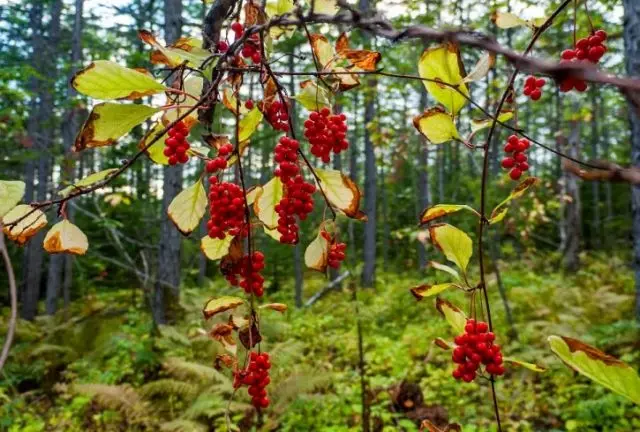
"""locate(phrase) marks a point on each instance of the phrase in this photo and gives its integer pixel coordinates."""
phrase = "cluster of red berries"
(220, 162)
(297, 201)
(516, 162)
(337, 254)
(256, 377)
(226, 209)
(176, 144)
(286, 156)
(587, 49)
(533, 87)
(326, 132)
(278, 115)
(474, 347)
(251, 281)
(250, 49)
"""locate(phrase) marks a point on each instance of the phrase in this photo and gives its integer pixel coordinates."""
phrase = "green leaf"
(445, 268)
(454, 243)
(325, 7)
(87, 182)
(155, 151)
(313, 97)
(442, 63)
(425, 290)
(454, 316)
(341, 192)
(531, 366)
(104, 79)
(220, 304)
(500, 211)
(188, 207)
(110, 121)
(277, 8)
(477, 125)
(249, 124)
(214, 248)
(602, 368)
(436, 125)
(11, 192)
(266, 201)
(440, 210)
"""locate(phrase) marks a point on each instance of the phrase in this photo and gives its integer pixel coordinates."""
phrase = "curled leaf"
(477, 125)
(440, 210)
(500, 211)
(66, 237)
(30, 222)
(442, 66)
(220, 304)
(445, 268)
(482, 68)
(425, 290)
(531, 366)
(505, 20)
(341, 192)
(454, 316)
(266, 200)
(317, 253)
(436, 125)
(187, 50)
(278, 307)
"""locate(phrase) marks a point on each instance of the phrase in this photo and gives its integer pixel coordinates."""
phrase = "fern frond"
(206, 405)
(121, 398)
(184, 426)
(168, 387)
(186, 370)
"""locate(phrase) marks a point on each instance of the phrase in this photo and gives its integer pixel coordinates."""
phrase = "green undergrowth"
(106, 369)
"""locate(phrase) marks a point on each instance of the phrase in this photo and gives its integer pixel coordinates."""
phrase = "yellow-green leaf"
(426, 290)
(454, 316)
(27, 226)
(322, 50)
(442, 63)
(155, 151)
(477, 125)
(266, 201)
(110, 121)
(531, 366)
(253, 193)
(184, 49)
(273, 233)
(249, 124)
(277, 8)
(87, 182)
(602, 368)
(220, 304)
(454, 243)
(317, 253)
(278, 307)
(341, 191)
(436, 125)
(11, 192)
(505, 20)
(313, 97)
(440, 210)
(104, 79)
(214, 248)
(188, 207)
(326, 7)
(500, 211)
(482, 68)
(445, 268)
(66, 237)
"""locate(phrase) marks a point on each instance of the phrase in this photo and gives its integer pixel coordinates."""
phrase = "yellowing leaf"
(425, 290)
(108, 122)
(341, 192)
(347, 80)
(442, 63)
(11, 192)
(477, 125)
(454, 316)
(104, 79)
(253, 193)
(278, 307)
(266, 200)
(273, 233)
(531, 366)
(317, 253)
(185, 49)
(500, 211)
(188, 207)
(325, 7)
(27, 226)
(217, 305)
(445, 268)
(249, 124)
(322, 50)
(155, 151)
(440, 210)
(87, 182)
(66, 237)
(362, 59)
(214, 248)
(482, 68)
(506, 20)
(454, 243)
(313, 97)
(277, 8)
(602, 368)
(436, 125)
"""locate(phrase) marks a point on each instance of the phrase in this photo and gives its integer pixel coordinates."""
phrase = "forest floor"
(106, 370)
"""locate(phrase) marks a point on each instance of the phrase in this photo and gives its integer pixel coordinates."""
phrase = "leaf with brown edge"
(477, 125)
(441, 65)
(214, 248)
(313, 97)
(325, 7)
(87, 182)
(531, 366)
(445, 268)
(11, 192)
(188, 207)
(249, 124)
(316, 255)
(482, 68)
(223, 333)
(65, 237)
(266, 200)
(341, 191)
(110, 121)
(104, 79)
(155, 150)
(278, 307)
(425, 290)
(500, 211)
(362, 59)
(183, 50)
(347, 80)
(444, 344)
(249, 335)
(454, 316)
(253, 13)
(456, 245)
(427, 426)
(218, 305)
(28, 226)
(439, 210)
(436, 125)
(602, 368)
(322, 50)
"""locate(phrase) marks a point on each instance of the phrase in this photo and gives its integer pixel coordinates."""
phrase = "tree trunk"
(632, 61)
(169, 252)
(595, 236)
(573, 206)
(424, 194)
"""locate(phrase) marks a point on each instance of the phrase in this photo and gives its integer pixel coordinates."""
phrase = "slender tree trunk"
(424, 193)
(353, 172)
(632, 61)
(596, 236)
(169, 253)
(386, 231)
(573, 206)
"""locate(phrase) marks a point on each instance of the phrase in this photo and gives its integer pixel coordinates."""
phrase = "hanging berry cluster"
(516, 161)
(326, 132)
(336, 254)
(226, 210)
(220, 162)
(256, 377)
(475, 347)
(533, 87)
(251, 47)
(278, 115)
(176, 144)
(589, 49)
(246, 273)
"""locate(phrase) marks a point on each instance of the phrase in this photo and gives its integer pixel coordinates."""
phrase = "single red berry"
(523, 166)
(536, 94)
(568, 54)
(248, 104)
(582, 44)
(515, 174)
(602, 34)
(508, 162)
(237, 27)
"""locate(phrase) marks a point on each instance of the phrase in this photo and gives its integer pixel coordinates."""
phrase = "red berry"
(581, 85)
(602, 34)
(249, 104)
(540, 82)
(582, 44)
(237, 27)
(515, 174)
(223, 46)
(513, 139)
(536, 94)
(508, 162)
(568, 54)
(523, 166)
